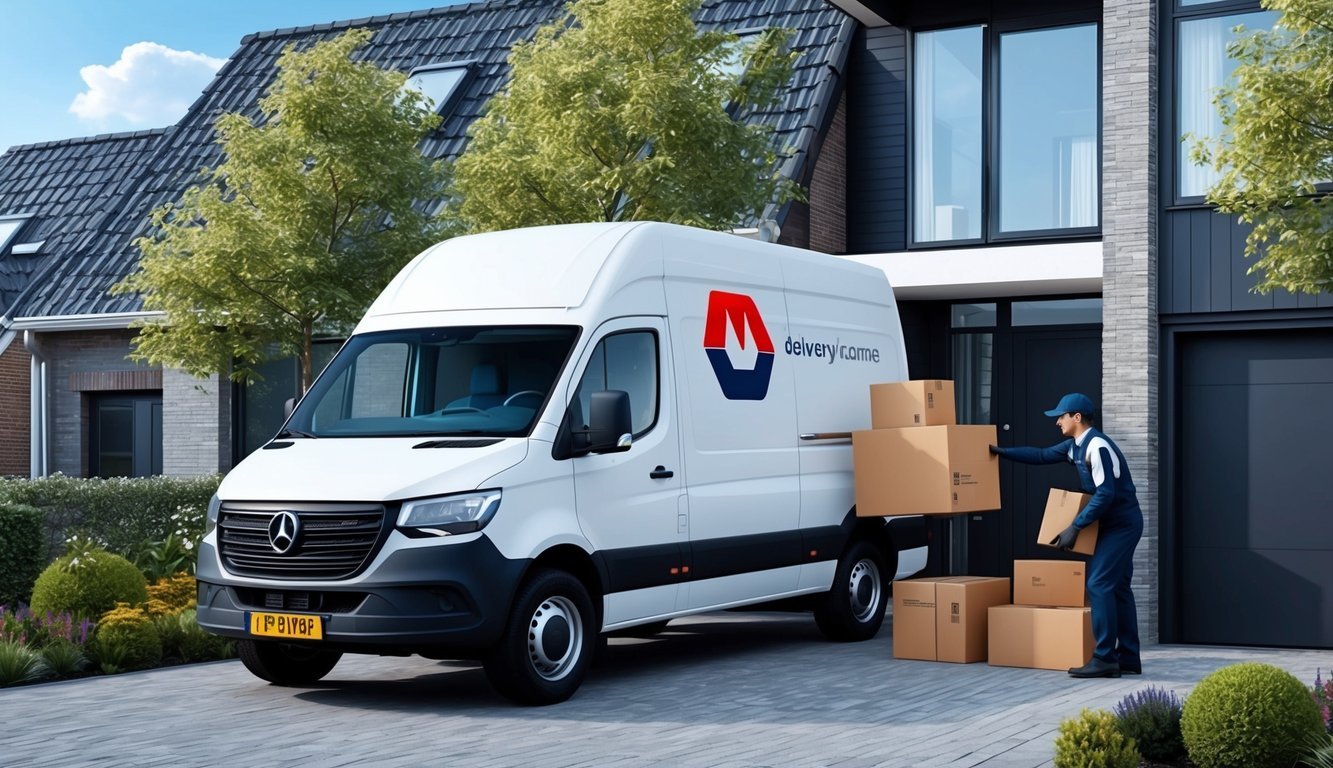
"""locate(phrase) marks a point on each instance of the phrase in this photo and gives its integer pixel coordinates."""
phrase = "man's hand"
(997, 450)
(1066, 539)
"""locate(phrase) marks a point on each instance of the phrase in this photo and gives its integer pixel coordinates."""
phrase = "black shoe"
(1096, 668)
(1135, 668)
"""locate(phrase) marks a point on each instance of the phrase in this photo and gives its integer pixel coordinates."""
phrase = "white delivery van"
(540, 436)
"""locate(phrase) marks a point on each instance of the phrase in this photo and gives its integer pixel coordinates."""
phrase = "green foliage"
(1249, 714)
(184, 639)
(307, 217)
(64, 659)
(171, 595)
(1152, 718)
(1320, 753)
(126, 639)
(40, 630)
(161, 559)
(624, 116)
(88, 583)
(1277, 144)
(22, 551)
(19, 664)
(1093, 740)
(120, 512)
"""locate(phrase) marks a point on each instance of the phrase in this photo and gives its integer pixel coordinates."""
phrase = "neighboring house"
(157, 421)
(1017, 170)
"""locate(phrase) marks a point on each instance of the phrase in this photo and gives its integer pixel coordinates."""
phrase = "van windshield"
(487, 381)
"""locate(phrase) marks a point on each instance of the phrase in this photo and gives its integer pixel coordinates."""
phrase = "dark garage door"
(1255, 491)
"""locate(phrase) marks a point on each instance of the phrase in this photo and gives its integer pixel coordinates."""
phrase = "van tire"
(286, 663)
(853, 609)
(548, 642)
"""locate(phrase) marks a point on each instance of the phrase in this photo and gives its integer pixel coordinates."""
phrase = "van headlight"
(445, 515)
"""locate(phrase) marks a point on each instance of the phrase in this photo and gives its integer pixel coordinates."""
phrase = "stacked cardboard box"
(915, 460)
(1048, 626)
(944, 619)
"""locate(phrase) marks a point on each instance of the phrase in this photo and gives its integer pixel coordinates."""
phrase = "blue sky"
(82, 67)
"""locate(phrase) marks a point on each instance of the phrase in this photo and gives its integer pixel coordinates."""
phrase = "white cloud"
(151, 85)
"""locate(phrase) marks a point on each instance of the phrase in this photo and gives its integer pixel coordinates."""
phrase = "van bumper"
(449, 599)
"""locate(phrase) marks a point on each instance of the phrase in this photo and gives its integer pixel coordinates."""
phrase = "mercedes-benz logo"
(283, 530)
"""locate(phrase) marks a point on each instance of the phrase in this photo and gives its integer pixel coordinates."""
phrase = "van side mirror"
(610, 427)
(287, 407)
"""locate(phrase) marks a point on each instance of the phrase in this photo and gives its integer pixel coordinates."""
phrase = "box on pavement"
(923, 403)
(1052, 583)
(944, 619)
(1039, 638)
(1061, 508)
(941, 470)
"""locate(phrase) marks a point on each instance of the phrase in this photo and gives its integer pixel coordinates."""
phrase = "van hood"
(367, 469)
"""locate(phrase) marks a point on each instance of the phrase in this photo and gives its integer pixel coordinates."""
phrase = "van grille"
(332, 541)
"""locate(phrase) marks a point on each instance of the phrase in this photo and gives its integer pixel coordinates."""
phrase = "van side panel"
(844, 336)
(738, 408)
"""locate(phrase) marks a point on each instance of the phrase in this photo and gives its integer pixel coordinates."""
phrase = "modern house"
(1015, 168)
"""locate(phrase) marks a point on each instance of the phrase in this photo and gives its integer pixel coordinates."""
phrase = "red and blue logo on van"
(731, 314)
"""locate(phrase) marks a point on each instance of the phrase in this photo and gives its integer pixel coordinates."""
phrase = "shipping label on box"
(944, 618)
(1054, 583)
(1061, 508)
(1039, 638)
(923, 403)
(942, 470)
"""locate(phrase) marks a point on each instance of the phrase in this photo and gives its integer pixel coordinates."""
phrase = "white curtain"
(1202, 59)
(1077, 168)
(923, 136)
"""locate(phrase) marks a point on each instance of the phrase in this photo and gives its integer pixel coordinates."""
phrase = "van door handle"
(661, 473)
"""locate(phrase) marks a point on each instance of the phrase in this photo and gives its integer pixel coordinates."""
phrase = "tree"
(625, 111)
(307, 217)
(1277, 145)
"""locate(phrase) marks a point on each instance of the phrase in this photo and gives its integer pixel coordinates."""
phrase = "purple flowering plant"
(38, 631)
(1323, 696)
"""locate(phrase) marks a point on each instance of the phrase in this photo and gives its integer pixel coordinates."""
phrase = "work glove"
(1066, 539)
(997, 450)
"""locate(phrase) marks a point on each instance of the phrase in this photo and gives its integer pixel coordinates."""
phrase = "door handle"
(661, 473)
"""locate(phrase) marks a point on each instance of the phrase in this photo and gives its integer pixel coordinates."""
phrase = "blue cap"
(1074, 402)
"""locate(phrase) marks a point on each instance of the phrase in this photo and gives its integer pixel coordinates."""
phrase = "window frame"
(450, 102)
(992, 31)
(20, 220)
(657, 374)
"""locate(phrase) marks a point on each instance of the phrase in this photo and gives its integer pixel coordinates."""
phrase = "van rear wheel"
(548, 642)
(286, 663)
(853, 609)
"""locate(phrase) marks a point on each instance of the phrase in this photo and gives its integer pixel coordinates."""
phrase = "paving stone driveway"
(736, 689)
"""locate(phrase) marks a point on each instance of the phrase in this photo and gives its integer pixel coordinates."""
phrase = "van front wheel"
(854, 608)
(548, 641)
(285, 663)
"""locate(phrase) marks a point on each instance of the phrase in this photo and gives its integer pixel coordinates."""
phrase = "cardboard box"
(1052, 583)
(924, 403)
(925, 471)
(1061, 508)
(944, 619)
(1039, 638)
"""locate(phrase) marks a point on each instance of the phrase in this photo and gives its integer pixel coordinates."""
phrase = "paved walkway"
(733, 689)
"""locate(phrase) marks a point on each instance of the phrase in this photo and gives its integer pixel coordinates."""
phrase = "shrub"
(88, 583)
(126, 639)
(1249, 714)
(22, 552)
(171, 595)
(160, 559)
(1152, 719)
(123, 512)
(184, 639)
(19, 664)
(64, 658)
(1092, 740)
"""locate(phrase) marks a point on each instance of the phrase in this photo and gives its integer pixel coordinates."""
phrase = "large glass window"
(1049, 161)
(435, 381)
(946, 117)
(1203, 66)
(1031, 167)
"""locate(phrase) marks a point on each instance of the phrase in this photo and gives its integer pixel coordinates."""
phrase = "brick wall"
(15, 404)
(828, 188)
(196, 424)
(1129, 273)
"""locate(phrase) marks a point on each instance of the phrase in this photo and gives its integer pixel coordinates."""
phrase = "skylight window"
(9, 227)
(440, 83)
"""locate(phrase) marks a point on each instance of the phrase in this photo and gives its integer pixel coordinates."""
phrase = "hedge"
(22, 552)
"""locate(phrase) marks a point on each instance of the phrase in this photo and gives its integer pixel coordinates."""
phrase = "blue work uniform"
(1104, 473)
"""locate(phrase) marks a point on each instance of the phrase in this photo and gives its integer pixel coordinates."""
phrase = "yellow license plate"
(289, 625)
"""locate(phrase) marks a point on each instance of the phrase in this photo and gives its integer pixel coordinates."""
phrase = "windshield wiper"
(293, 433)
